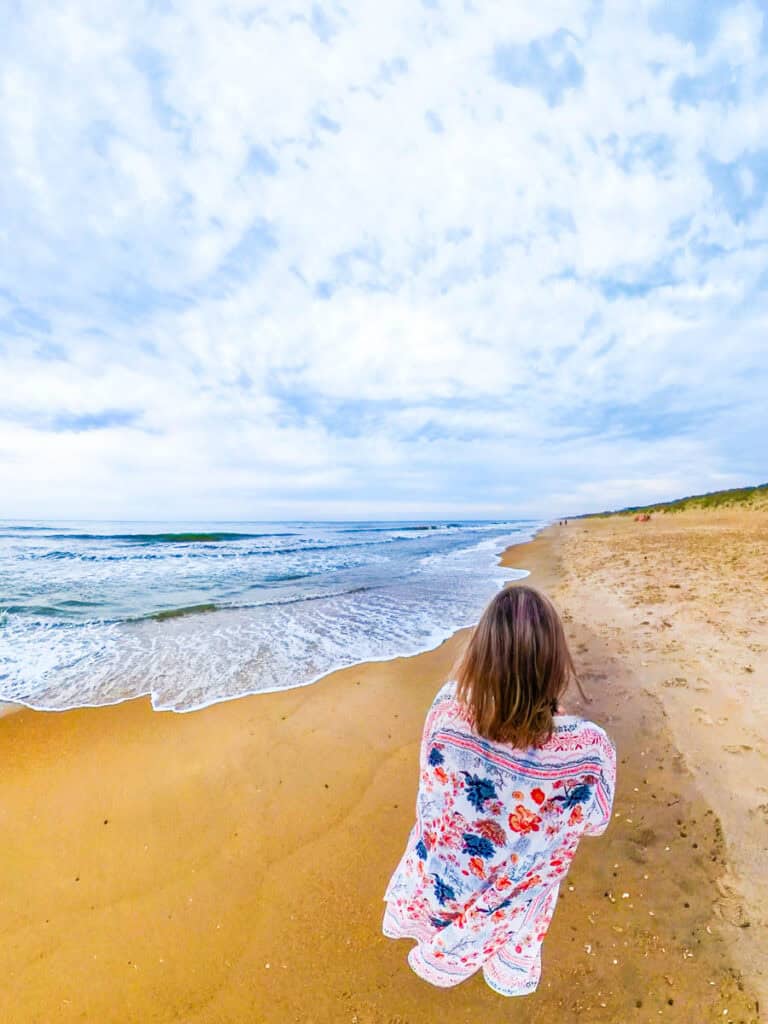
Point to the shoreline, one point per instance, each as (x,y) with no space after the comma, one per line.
(230,865)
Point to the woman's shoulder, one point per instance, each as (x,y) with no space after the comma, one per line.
(446,692)
(446,702)
(584,732)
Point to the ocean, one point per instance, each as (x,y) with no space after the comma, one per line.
(196,613)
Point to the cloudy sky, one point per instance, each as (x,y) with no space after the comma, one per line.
(389,260)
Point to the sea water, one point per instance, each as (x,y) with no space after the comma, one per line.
(191,613)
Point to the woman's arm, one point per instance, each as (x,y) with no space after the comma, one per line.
(444,694)
(599,814)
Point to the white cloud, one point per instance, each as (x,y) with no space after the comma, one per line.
(332,263)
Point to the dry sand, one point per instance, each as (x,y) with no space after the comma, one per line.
(227,865)
(683,600)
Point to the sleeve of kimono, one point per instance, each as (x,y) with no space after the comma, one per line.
(599,814)
(443,694)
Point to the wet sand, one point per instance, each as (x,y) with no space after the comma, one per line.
(228,865)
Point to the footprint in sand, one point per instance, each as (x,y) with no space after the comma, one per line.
(704,718)
(728,907)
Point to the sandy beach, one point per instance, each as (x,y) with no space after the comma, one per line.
(228,865)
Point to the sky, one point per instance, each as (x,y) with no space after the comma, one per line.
(407,260)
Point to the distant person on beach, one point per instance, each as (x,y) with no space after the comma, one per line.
(508,786)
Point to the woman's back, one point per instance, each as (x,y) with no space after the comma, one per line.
(485,806)
(496,829)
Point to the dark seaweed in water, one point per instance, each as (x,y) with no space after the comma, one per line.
(175,613)
(362,528)
(167,538)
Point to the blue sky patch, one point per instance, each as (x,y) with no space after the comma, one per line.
(261,161)
(547,65)
(79,422)
(691,21)
(740,185)
(720,85)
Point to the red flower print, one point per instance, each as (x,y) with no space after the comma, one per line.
(450,828)
(576,815)
(503,882)
(517,795)
(491,830)
(529,882)
(441,774)
(522,820)
(476,866)
(538,795)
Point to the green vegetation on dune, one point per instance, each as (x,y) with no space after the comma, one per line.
(745,497)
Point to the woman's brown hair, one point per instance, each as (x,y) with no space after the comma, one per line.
(515,668)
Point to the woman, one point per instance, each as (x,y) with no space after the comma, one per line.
(508,786)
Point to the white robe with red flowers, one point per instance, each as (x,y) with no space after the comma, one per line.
(496,830)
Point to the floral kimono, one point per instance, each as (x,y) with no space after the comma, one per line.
(496,830)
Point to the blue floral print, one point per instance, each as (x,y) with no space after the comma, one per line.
(477,846)
(421,849)
(578,795)
(443,891)
(501,906)
(435,757)
(440,922)
(479,790)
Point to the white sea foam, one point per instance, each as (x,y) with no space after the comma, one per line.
(292,617)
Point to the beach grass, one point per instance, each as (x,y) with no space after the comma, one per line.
(735,497)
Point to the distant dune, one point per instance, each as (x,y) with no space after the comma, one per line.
(744,497)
